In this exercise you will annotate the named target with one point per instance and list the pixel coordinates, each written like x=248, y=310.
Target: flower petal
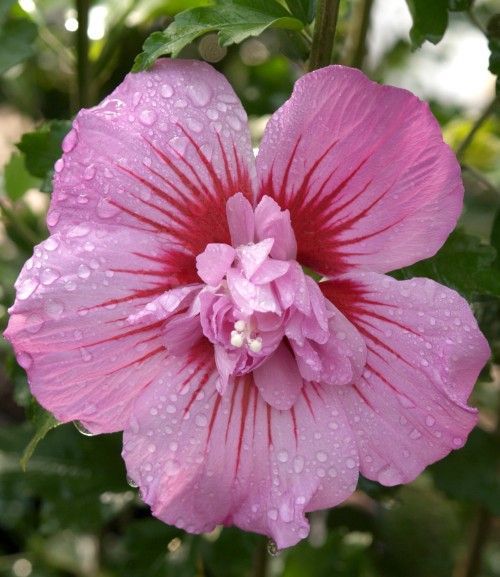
x=272, y=222
x=69, y=323
x=425, y=352
x=202, y=459
x=213, y=263
x=363, y=170
x=162, y=153
x=240, y=219
x=278, y=379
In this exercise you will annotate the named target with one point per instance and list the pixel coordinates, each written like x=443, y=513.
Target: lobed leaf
x=16, y=42
x=234, y=20
x=43, y=147
x=463, y=263
x=430, y=20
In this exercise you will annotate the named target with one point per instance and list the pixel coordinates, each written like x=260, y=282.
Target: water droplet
x=70, y=286
x=415, y=434
x=54, y=309
x=131, y=482
x=170, y=409
x=59, y=165
x=350, y=463
x=321, y=456
x=199, y=93
x=273, y=514
x=78, y=231
x=106, y=209
x=283, y=456
x=458, y=441
x=70, y=140
x=85, y=354
x=136, y=99
x=166, y=90
x=51, y=243
x=83, y=271
x=212, y=114
x=26, y=288
x=298, y=464
x=233, y=122
x=172, y=467
x=89, y=172
x=48, y=276
x=25, y=360
x=147, y=117
x=179, y=143
x=201, y=420
x=53, y=217
x=82, y=429
x=389, y=476
x=194, y=125
x=429, y=420
x=272, y=548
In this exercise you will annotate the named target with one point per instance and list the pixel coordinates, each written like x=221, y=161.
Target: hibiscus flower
x=176, y=299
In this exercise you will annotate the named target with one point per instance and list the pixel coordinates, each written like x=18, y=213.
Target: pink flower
x=170, y=300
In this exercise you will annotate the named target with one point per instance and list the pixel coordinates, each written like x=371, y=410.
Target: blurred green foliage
x=72, y=513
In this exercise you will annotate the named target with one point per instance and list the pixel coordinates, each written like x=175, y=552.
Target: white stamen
x=255, y=345
x=237, y=339
x=240, y=326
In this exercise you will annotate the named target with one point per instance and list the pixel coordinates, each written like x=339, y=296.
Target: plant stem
x=324, y=33
x=359, y=30
x=476, y=126
x=261, y=558
x=82, y=52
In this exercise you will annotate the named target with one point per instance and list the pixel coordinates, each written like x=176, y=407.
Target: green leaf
x=430, y=19
x=43, y=421
x=493, y=33
x=459, y=5
x=463, y=263
x=16, y=42
x=43, y=147
x=17, y=179
x=473, y=473
x=234, y=20
x=4, y=9
x=495, y=238
x=304, y=10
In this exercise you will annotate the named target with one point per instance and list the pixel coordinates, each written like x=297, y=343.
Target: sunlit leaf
x=234, y=20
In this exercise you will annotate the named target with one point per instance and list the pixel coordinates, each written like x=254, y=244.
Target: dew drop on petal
x=131, y=482
x=48, y=276
x=166, y=90
x=26, y=288
x=106, y=209
x=147, y=117
x=59, y=165
x=89, y=172
x=199, y=94
x=25, y=360
x=82, y=429
x=70, y=141
x=283, y=456
x=83, y=271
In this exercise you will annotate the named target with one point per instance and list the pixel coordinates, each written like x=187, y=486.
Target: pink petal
x=425, y=352
x=363, y=170
x=202, y=460
x=214, y=262
x=278, y=379
x=269, y=271
x=69, y=323
x=158, y=155
x=251, y=297
x=271, y=221
x=252, y=256
x=240, y=218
